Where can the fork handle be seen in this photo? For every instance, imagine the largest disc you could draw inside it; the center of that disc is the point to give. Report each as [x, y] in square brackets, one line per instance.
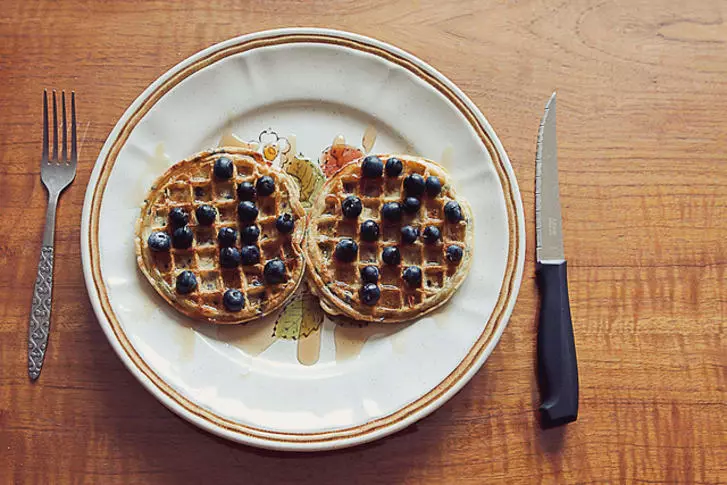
[40, 308]
[50, 220]
[40, 313]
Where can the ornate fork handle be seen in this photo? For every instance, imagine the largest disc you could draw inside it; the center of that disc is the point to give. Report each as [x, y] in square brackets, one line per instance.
[56, 174]
[40, 313]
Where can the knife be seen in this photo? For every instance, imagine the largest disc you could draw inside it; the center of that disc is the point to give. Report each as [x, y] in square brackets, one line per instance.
[557, 366]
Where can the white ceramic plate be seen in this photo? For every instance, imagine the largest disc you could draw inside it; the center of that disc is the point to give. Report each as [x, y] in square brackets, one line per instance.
[359, 385]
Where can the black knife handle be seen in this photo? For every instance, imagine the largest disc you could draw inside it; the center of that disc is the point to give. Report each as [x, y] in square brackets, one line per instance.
[557, 364]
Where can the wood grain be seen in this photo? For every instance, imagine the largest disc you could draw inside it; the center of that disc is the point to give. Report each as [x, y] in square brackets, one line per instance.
[642, 91]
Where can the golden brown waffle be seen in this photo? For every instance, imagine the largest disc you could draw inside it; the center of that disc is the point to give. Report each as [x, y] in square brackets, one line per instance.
[191, 183]
[338, 283]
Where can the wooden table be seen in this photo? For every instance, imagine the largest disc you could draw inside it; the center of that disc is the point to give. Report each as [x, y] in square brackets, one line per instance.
[642, 91]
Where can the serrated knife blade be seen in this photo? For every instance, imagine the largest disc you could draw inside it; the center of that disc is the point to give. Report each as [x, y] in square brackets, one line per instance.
[548, 225]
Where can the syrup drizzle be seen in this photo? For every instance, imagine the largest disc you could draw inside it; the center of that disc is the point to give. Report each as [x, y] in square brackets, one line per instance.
[186, 338]
[369, 138]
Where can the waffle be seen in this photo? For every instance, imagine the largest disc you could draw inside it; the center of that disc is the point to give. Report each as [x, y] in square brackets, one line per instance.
[191, 183]
[338, 283]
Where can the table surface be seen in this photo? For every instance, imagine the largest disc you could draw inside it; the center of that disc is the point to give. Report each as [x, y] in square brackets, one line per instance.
[642, 96]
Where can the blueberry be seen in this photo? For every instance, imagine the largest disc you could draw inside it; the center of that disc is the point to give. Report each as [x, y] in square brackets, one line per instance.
[370, 274]
[372, 167]
[250, 234]
[178, 217]
[247, 211]
[274, 272]
[431, 234]
[233, 300]
[346, 250]
[369, 294]
[246, 191]
[159, 241]
[186, 282]
[433, 185]
[411, 205]
[223, 168]
[394, 167]
[226, 237]
[409, 234]
[454, 254]
[452, 211]
[265, 185]
[414, 185]
[351, 207]
[369, 231]
[229, 257]
[182, 237]
[391, 255]
[250, 255]
[206, 214]
[391, 212]
[285, 223]
[413, 276]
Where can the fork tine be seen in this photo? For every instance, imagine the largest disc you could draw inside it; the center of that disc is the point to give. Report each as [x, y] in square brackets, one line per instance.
[55, 129]
[45, 126]
[64, 135]
[74, 155]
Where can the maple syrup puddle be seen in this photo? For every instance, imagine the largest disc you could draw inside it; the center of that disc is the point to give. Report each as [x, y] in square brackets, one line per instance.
[339, 140]
[253, 338]
[157, 164]
[229, 139]
[186, 338]
[351, 338]
[309, 347]
[447, 157]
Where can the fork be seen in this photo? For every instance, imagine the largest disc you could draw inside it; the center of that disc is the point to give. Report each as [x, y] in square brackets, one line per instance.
[56, 175]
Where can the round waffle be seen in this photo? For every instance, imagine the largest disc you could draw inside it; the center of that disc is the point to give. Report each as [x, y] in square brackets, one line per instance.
[192, 183]
[339, 283]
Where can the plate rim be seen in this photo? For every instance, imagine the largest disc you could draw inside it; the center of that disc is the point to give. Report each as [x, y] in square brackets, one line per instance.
[478, 353]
